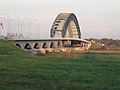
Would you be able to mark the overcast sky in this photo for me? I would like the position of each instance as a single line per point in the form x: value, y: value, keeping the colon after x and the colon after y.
x: 97, y: 18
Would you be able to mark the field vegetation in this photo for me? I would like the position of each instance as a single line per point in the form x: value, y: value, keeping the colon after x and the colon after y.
x: 20, y: 70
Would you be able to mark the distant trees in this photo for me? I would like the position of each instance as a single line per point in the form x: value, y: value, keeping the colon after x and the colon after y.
x: 105, y: 41
x: 108, y: 43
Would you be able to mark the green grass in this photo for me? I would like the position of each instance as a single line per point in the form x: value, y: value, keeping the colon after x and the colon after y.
x: 20, y: 70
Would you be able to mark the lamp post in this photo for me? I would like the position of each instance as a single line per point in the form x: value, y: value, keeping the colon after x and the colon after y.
x: 7, y: 22
x: 21, y: 24
x: 28, y: 25
x: 39, y: 30
x: 18, y: 25
x: 10, y: 34
x: 44, y: 24
x: 31, y: 28
x: 37, y: 27
x: 11, y: 20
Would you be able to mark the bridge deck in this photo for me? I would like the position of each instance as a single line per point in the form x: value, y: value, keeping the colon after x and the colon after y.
x: 55, y: 39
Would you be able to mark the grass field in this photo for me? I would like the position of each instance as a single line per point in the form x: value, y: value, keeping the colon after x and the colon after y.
x: 20, y: 70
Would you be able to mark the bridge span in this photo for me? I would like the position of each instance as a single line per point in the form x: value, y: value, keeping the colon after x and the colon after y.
x: 51, y: 43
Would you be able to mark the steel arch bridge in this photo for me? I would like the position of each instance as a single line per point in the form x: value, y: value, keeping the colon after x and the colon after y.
x: 65, y: 32
x: 66, y: 26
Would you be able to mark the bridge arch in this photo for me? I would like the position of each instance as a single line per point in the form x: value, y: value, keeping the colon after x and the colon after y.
x: 36, y: 46
x: 18, y: 45
x: 59, y: 45
x: 27, y: 46
x: 67, y: 25
x: 45, y: 45
x: 52, y: 45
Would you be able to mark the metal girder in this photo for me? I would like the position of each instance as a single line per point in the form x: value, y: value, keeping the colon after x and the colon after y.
x: 62, y: 22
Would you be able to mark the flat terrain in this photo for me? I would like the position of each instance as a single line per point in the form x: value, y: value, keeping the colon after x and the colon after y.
x: 20, y: 70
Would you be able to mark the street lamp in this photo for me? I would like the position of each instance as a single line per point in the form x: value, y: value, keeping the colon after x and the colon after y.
x: 21, y: 24
x: 7, y: 22
x: 37, y: 28
x: 11, y: 20
x: 31, y: 28
x: 18, y: 23
x: 44, y: 26
x: 28, y: 25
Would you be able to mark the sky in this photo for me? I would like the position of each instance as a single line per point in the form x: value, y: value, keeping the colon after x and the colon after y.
x: 97, y: 18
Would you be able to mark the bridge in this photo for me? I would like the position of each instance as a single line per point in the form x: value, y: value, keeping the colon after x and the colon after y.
x: 65, y: 32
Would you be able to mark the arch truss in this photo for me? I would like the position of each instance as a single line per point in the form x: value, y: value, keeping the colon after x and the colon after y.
x: 66, y: 26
